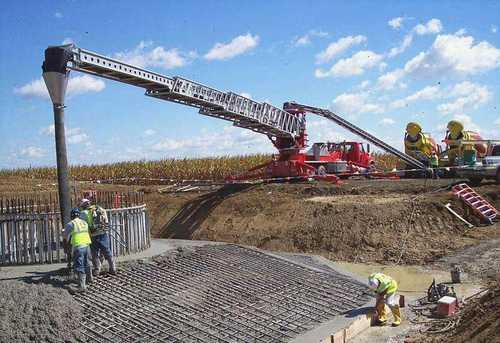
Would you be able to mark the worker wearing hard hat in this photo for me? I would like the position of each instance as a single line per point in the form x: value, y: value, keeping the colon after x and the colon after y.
x: 77, y: 233
x: 418, y: 144
x: 385, y: 287
x: 97, y: 220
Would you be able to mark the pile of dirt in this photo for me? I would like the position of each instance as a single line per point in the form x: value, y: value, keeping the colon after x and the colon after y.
x: 37, y: 313
x: 362, y: 221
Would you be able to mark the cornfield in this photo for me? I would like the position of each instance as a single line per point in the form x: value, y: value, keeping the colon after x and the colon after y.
x: 214, y: 168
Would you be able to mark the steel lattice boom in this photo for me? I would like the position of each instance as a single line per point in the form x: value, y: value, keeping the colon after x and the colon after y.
x: 242, y: 111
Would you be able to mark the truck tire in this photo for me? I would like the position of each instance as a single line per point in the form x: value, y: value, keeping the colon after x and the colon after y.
x: 475, y: 181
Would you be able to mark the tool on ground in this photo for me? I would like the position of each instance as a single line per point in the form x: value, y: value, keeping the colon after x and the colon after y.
x: 446, y: 306
x: 448, y: 207
x: 286, y: 128
x: 455, y: 273
x: 437, y: 291
x: 480, y: 206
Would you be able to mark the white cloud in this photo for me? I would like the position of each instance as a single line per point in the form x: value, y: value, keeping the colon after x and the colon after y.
x: 145, y: 55
x: 76, y: 85
x: 454, y: 55
x: 364, y: 84
x: 497, y: 121
x: 402, y: 47
x: 354, y: 65
x: 431, y: 27
x: 232, y: 140
x: 73, y: 135
x: 426, y: 93
x: 338, y: 47
x: 67, y: 40
x: 33, y: 152
x: 76, y: 136
x: 494, y: 29
x: 47, y: 131
x: 461, y: 32
x: 396, y: 23
x: 352, y: 104
x: 237, y: 46
x: 468, y: 96
x: 58, y: 15
x: 306, y: 39
x: 149, y: 132
x: 84, y: 84
x: 387, y: 121
x: 390, y: 79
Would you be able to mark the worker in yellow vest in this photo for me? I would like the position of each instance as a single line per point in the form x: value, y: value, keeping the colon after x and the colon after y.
x: 77, y: 233
x: 385, y: 287
x: 96, y: 218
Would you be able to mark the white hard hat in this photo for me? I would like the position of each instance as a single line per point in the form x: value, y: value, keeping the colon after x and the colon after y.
x: 84, y: 202
x: 373, y: 283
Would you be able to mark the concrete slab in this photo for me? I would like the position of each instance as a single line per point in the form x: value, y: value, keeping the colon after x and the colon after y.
x: 339, y: 327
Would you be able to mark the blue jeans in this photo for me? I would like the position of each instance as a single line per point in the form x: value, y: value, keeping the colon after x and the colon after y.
x: 100, y: 244
x: 81, y: 257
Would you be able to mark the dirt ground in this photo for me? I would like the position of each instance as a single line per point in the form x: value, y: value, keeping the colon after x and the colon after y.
x: 379, y: 221
x: 37, y: 313
x: 361, y: 221
x: 357, y: 221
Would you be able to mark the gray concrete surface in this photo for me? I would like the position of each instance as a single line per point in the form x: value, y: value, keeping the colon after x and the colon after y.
x: 161, y: 246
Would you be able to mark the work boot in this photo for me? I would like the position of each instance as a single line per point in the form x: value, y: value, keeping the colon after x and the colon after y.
x: 90, y: 276
x: 112, y: 266
x: 381, y: 312
x: 97, y: 266
x: 379, y: 322
x: 81, y: 279
x: 396, y: 313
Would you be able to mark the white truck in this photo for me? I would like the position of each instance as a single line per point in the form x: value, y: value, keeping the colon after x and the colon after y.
x: 487, y: 168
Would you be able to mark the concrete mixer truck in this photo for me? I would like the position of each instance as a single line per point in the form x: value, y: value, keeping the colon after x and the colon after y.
x: 460, y: 146
x: 419, y: 144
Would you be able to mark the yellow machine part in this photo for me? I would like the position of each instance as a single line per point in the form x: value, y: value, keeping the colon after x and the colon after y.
x: 424, y: 145
x: 456, y: 132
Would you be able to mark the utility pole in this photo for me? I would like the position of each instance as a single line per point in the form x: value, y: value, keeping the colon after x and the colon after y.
x: 55, y: 75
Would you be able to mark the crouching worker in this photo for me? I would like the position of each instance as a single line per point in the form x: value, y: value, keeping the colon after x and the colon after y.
x: 77, y: 233
x: 385, y: 287
x: 97, y: 220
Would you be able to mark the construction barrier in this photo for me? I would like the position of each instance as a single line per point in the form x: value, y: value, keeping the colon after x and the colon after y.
x: 28, y: 238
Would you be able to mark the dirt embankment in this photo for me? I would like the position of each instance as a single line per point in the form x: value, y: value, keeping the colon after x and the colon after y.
x: 363, y: 221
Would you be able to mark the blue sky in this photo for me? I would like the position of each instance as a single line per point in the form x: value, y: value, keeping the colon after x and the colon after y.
x: 380, y: 64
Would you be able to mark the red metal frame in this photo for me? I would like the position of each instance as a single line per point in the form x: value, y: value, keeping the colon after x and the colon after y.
x: 292, y: 162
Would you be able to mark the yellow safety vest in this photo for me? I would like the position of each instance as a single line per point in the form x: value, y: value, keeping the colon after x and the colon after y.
x: 386, y: 283
x: 80, y: 234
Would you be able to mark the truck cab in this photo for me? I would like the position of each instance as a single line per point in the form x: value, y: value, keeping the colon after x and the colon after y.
x: 340, y: 157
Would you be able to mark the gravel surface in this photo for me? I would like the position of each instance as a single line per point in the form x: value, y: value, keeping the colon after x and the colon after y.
x: 37, y: 313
